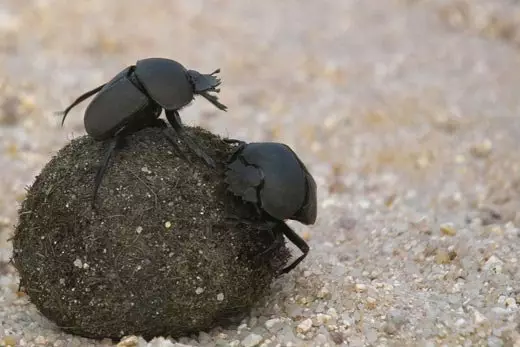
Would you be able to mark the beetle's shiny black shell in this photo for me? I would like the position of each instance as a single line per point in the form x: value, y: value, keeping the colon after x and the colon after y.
x: 166, y: 81
x: 117, y: 104
x: 288, y: 191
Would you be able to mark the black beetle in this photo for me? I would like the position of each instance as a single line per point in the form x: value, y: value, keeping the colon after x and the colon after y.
x: 134, y: 99
x: 272, y: 177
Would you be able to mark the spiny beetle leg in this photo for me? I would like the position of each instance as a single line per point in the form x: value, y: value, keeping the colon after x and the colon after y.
x: 80, y: 99
x: 228, y: 140
x: 173, y: 140
x: 161, y: 124
x: 174, y: 120
x: 296, y: 240
x: 214, y: 100
x: 242, y: 145
x: 113, y: 144
x: 277, y: 242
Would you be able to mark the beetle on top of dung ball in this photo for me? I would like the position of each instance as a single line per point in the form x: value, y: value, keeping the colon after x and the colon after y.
x: 134, y: 99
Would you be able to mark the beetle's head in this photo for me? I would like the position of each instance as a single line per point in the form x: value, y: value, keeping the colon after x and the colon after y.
x: 203, y: 84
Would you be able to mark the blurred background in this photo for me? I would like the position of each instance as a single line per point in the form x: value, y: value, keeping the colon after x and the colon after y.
x: 402, y: 109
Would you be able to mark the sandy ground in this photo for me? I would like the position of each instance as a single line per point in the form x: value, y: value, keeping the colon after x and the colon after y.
x: 405, y: 111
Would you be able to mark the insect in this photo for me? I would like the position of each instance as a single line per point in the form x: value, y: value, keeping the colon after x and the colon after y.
x: 134, y: 99
x: 270, y: 176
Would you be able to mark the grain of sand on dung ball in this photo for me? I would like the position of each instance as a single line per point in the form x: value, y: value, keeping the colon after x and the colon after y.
x: 159, y: 257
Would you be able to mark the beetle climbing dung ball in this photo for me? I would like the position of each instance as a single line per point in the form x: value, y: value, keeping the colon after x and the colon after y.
x: 134, y: 99
x: 161, y: 257
x: 271, y: 177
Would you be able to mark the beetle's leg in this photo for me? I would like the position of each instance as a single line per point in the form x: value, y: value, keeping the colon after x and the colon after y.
x: 159, y: 123
x: 297, y: 240
x: 113, y: 144
x: 175, y: 121
x: 228, y: 140
x: 79, y: 100
x: 173, y: 140
x: 237, y: 150
x: 214, y: 100
x: 277, y: 242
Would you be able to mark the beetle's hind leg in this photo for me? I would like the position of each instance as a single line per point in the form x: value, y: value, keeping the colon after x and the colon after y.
x: 113, y: 145
x: 175, y: 122
x: 298, y: 242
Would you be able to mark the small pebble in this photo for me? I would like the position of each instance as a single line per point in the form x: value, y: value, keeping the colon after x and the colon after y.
x: 371, y: 303
x: 360, y: 287
x: 448, y: 229
x: 251, y: 340
x: 40, y: 340
x: 304, y: 326
x: 10, y: 341
x: 442, y: 257
x: 273, y: 325
x: 493, y: 265
x: 78, y: 263
x: 129, y: 341
x: 478, y: 318
x: 482, y: 149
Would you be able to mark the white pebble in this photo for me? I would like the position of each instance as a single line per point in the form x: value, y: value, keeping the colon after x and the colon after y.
x: 304, y: 326
x: 273, y: 325
x: 478, y: 317
x: 252, y: 340
x: 78, y: 263
x: 40, y: 340
x: 322, y: 319
x: 199, y: 290
x: 220, y: 296
x: 493, y: 264
x: 360, y: 287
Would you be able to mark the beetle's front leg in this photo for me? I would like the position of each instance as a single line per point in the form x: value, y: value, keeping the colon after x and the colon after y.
x: 296, y: 240
x: 113, y: 145
x: 175, y: 122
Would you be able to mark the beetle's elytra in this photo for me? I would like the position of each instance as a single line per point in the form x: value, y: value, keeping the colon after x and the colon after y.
x: 134, y: 99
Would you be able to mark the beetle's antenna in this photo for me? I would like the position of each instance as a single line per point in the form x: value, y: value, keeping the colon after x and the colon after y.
x: 79, y: 100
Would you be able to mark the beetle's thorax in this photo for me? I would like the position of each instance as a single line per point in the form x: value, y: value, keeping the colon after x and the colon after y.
x: 132, y: 77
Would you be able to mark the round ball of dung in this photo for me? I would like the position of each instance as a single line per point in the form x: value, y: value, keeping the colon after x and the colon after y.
x: 166, y: 250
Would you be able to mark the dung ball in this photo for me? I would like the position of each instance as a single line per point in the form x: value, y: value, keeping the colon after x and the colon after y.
x: 166, y: 251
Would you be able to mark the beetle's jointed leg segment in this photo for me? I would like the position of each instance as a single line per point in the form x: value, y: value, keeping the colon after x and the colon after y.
x: 112, y: 146
x: 175, y: 122
x: 296, y: 240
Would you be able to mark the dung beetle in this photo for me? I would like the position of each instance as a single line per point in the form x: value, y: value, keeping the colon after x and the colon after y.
x: 134, y: 99
x: 270, y: 176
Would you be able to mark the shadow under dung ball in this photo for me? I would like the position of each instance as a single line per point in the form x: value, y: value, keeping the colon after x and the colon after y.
x: 159, y: 257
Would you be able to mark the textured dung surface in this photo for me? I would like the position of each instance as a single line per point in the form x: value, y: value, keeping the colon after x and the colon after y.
x: 405, y: 111
x: 159, y: 257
